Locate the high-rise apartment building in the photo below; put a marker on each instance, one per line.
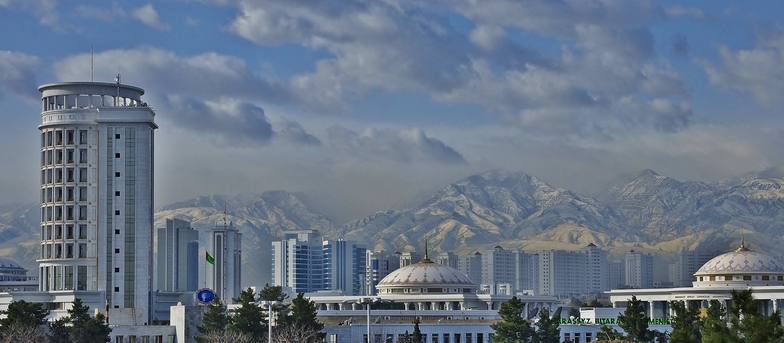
(297, 261)
(471, 266)
(526, 272)
(616, 274)
(596, 271)
(177, 257)
(562, 272)
(498, 267)
(447, 258)
(638, 269)
(688, 262)
(224, 271)
(344, 266)
(409, 258)
(97, 191)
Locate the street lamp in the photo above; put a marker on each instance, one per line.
(368, 302)
(271, 305)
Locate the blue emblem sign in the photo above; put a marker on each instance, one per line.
(205, 295)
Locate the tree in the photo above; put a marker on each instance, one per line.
(22, 333)
(547, 328)
(224, 337)
(746, 323)
(247, 318)
(714, 325)
(84, 328)
(513, 327)
(634, 322)
(685, 323)
(215, 319)
(416, 337)
(303, 318)
(59, 331)
(22, 316)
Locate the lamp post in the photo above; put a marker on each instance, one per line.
(270, 305)
(368, 302)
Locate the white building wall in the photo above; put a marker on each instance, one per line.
(97, 191)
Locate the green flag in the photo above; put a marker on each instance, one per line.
(210, 259)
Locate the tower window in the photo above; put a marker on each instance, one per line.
(117, 155)
(117, 250)
(116, 136)
(117, 174)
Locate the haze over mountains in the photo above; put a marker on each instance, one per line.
(650, 212)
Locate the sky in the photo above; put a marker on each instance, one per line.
(366, 105)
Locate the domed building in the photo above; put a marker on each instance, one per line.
(740, 268)
(426, 277)
(446, 302)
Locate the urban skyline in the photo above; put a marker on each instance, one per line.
(366, 105)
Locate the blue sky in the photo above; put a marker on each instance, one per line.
(368, 104)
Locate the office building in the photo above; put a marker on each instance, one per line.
(409, 258)
(177, 257)
(344, 266)
(447, 258)
(224, 265)
(298, 261)
(96, 192)
(379, 265)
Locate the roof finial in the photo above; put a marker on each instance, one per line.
(426, 249)
(742, 241)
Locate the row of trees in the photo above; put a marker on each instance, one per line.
(296, 321)
(516, 328)
(743, 322)
(26, 322)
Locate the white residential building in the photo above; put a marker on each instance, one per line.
(379, 265)
(638, 269)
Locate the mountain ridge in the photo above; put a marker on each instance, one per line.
(650, 212)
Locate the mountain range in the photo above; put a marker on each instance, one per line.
(650, 213)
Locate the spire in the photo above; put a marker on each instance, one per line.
(425, 259)
(742, 242)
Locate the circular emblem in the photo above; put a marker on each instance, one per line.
(205, 295)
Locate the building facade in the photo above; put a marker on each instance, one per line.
(344, 266)
(96, 192)
(225, 248)
(298, 261)
(638, 269)
(177, 257)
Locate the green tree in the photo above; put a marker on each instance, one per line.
(547, 328)
(634, 322)
(59, 331)
(22, 316)
(513, 327)
(303, 317)
(714, 327)
(746, 323)
(247, 318)
(84, 328)
(685, 323)
(215, 320)
(416, 337)
(23, 312)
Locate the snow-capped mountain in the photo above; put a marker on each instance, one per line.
(651, 212)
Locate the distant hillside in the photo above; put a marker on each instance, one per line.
(650, 212)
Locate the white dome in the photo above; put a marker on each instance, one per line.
(740, 268)
(426, 273)
(743, 261)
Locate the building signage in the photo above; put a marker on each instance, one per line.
(609, 321)
(205, 295)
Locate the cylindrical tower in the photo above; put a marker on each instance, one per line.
(97, 191)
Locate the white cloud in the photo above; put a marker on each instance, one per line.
(756, 71)
(102, 13)
(148, 16)
(17, 74)
(405, 146)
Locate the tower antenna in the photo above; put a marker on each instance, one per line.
(92, 65)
